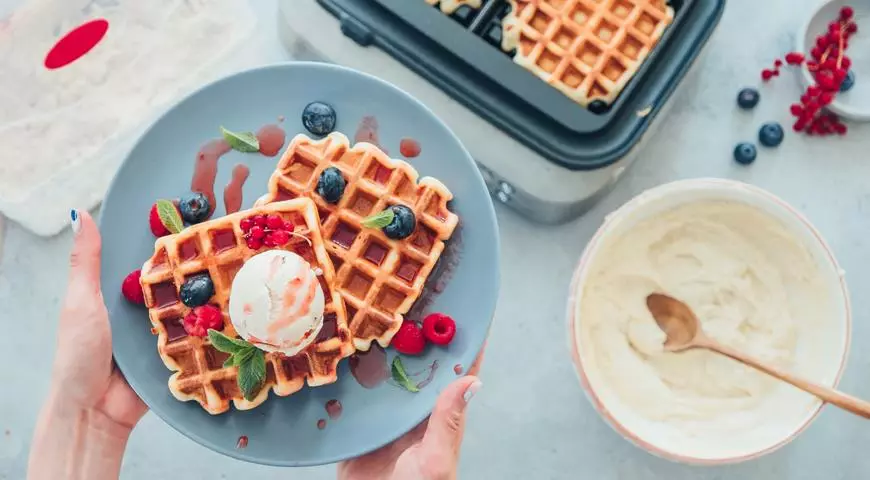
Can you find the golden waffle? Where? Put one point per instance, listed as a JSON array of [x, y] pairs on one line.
[[378, 278], [588, 49], [218, 248], [450, 6]]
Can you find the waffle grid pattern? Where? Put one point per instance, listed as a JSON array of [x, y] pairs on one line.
[[378, 278], [218, 248], [588, 49]]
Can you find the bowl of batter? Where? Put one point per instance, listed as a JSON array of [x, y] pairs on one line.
[[759, 277]]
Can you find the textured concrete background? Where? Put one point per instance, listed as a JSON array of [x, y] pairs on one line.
[[531, 419]]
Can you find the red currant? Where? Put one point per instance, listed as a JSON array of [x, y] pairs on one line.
[[274, 222], [280, 238]]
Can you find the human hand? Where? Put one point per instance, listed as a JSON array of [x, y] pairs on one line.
[[84, 372], [90, 409], [428, 452]]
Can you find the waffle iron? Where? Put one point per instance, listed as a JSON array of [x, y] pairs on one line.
[[541, 153]]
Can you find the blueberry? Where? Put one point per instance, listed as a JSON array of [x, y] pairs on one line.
[[318, 118], [331, 185], [771, 134], [598, 107], [194, 207], [744, 153], [848, 82], [403, 223], [748, 98], [196, 290]]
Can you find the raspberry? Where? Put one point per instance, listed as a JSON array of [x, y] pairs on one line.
[[202, 319], [131, 289], [409, 339], [288, 225], [257, 232], [274, 222], [246, 224], [157, 227], [260, 221], [439, 328]]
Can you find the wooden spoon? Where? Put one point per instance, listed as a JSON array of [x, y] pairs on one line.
[[684, 332]]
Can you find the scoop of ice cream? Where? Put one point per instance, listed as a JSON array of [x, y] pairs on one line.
[[276, 302]]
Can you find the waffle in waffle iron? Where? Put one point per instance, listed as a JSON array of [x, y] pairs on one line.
[[588, 49], [378, 278], [217, 247]]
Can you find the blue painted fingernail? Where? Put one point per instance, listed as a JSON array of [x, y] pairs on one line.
[[471, 391], [76, 221]]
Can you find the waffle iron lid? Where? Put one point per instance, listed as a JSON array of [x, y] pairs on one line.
[[458, 54]]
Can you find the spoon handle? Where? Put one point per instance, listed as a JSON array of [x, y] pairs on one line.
[[827, 394]]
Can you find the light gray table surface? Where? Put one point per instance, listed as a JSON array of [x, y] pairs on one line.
[[531, 419]]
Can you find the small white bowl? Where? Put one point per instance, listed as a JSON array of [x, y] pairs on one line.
[[854, 104], [647, 434]]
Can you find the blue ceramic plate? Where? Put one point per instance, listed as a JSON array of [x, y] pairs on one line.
[[284, 430]]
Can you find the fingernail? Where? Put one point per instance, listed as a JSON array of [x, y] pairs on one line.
[[76, 221], [471, 391]]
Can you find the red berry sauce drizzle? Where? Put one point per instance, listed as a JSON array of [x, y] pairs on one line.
[[367, 131], [233, 190], [271, 138], [242, 442], [370, 368], [457, 369], [430, 374], [440, 276], [409, 148], [321, 424], [333, 409], [829, 66]]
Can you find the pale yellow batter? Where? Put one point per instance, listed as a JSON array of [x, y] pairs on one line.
[[753, 285]]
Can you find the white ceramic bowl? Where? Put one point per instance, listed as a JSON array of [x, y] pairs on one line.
[[854, 104], [834, 341]]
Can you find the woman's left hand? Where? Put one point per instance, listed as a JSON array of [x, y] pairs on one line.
[[90, 410], [84, 372]]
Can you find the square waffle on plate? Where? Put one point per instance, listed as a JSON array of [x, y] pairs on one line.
[[378, 278], [450, 6], [217, 247], [588, 49]]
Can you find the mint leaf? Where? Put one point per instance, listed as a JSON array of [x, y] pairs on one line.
[[243, 356], [379, 220], [222, 342], [252, 374], [242, 141], [401, 376], [169, 216]]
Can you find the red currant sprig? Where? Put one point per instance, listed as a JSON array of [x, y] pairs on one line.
[[829, 67]]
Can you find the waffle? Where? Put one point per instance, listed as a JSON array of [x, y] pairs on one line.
[[378, 278], [218, 247], [450, 6], [588, 49]]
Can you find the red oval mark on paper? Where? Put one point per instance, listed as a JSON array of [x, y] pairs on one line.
[[76, 43]]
